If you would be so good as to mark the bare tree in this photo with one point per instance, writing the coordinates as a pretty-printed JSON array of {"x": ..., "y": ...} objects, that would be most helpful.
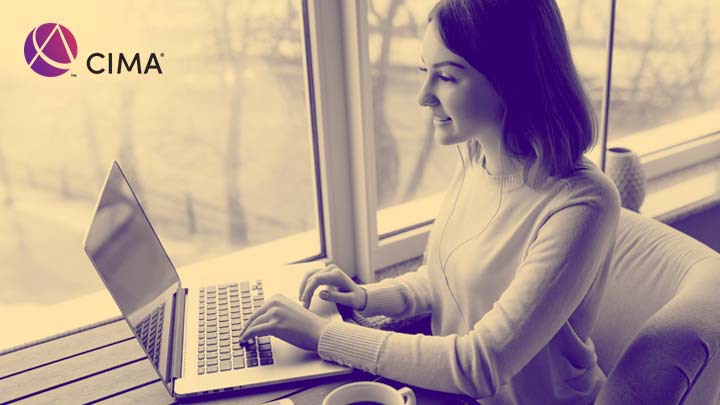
[
  {"x": 410, "y": 29},
  {"x": 386, "y": 156},
  {"x": 285, "y": 67},
  {"x": 647, "y": 47},
  {"x": 126, "y": 146},
  {"x": 420, "y": 166},
  {"x": 5, "y": 177},
  {"x": 697, "y": 70},
  {"x": 656, "y": 94},
  {"x": 232, "y": 52},
  {"x": 97, "y": 166}
]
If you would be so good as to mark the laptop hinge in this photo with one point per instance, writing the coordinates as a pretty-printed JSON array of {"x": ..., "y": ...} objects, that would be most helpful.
[{"x": 178, "y": 333}]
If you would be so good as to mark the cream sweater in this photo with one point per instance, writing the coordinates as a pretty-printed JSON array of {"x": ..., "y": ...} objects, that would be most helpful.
[{"x": 512, "y": 308}]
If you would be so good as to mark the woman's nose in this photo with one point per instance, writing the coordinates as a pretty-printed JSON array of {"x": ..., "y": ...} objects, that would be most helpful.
[{"x": 426, "y": 97}]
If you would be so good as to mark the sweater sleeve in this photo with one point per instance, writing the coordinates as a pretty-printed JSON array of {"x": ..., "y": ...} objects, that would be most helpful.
[
  {"x": 400, "y": 297},
  {"x": 560, "y": 265}
]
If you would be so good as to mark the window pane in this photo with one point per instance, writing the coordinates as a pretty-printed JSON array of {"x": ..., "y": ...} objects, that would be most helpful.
[
  {"x": 665, "y": 100},
  {"x": 666, "y": 66},
  {"x": 412, "y": 169},
  {"x": 587, "y": 24},
  {"x": 410, "y": 165},
  {"x": 218, "y": 147}
]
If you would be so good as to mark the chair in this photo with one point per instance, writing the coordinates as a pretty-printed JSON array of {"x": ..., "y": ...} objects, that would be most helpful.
[{"x": 658, "y": 331}]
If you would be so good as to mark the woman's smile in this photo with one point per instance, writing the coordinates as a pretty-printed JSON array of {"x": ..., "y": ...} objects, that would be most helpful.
[{"x": 441, "y": 121}]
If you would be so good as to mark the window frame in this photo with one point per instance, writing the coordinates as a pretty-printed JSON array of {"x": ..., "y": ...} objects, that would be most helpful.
[{"x": 340, "y": 48}]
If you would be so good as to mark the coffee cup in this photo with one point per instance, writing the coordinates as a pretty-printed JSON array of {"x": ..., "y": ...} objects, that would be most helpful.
[{"x": 369, "y": 393}]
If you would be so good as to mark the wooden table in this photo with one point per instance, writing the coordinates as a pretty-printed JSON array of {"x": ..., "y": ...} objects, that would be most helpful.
[{"x": 104, "y": 363}]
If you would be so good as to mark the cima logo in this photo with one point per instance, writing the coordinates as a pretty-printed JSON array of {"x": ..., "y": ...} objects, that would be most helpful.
[{"x": 50, "y": 49}]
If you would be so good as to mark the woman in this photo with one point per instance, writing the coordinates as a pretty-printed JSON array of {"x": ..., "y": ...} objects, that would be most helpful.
[{"x": 517, "y": 260}]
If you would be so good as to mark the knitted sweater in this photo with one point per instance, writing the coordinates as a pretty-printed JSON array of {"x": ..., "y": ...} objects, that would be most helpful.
[{"x": 512, "y": 307}]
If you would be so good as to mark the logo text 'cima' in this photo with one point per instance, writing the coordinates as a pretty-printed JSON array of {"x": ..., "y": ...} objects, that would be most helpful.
[{"x": 99, "y": 67}]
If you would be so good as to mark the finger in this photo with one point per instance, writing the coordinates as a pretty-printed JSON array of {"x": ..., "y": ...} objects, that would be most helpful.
[
  {"x": 342, "y": 298},
  {"x": 259, "y": 320},
  {"x": 275, "y": 304},
  {"x": 305, "y": 278},
  {"x": 341, "y": 279},
  {"x": 311, "y": 284},
  {"x": 264, "y": 329},
  {"x": 333, "y": 278},
  {"x": 258, "y": 313}
]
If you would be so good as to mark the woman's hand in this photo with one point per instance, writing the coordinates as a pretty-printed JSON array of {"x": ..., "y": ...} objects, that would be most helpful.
[
  {"x": 287, "y": 320},
  {"x": 348, "y": 293}
]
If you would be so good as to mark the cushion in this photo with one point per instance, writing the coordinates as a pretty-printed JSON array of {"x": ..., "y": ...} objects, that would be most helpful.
[
  {"x": 650, "y": 261},
  {"x": 656, "y": 314}
]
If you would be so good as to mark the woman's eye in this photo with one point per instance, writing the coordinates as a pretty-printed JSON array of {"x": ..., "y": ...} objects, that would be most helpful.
[{"x": 442, "y": 77}]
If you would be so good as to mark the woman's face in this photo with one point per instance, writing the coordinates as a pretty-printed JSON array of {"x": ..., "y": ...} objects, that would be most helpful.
[{"x": 463, "y": 103}]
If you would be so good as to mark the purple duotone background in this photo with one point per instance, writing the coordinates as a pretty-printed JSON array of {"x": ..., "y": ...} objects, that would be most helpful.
[{"x": 54, "y": 49}]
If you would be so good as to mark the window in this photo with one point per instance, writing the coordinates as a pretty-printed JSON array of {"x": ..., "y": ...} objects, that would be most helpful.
[
  {"x": 665, "y": 100},
  {"x": 665, "y": 65},
  {"x": 218, "y": 147}
]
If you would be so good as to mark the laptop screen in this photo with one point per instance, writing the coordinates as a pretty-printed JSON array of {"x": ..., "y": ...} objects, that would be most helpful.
[{"x": 132, "y": 263}]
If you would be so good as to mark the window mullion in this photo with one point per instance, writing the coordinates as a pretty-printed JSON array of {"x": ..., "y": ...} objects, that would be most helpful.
[
  {"x": 361, "y": 134},
  {"x": 345, "y": 147},
  {"x": 603, "y": 141}
]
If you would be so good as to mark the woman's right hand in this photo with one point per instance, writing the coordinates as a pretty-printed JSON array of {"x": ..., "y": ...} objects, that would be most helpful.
[{"x": 346, "y": 292}]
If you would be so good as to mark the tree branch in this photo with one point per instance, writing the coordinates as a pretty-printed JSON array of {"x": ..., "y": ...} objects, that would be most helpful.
[{"x": 374, "y": 12}]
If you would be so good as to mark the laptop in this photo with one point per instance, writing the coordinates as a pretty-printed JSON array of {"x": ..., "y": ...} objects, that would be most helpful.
[{"x": 190, "y": 331}]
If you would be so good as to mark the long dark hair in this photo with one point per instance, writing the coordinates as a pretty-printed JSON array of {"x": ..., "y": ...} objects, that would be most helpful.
[{"x": 521, "y": 47}]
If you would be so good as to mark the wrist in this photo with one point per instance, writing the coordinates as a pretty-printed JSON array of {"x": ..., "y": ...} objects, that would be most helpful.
[
  {"x": 320, "y": 328},
  {"x": 364, "y": 300}
]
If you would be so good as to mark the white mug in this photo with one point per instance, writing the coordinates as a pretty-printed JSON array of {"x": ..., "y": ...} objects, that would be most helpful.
[{"x": 369, "y": 392}]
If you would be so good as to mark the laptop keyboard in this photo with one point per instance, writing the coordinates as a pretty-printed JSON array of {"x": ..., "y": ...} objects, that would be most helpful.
[
  {"x": 223, "y": 311},
  {"x": 149, "y": 330}
]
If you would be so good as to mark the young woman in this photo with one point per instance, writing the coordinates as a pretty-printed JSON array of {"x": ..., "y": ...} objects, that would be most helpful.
[{"x": 517, "y": 260}]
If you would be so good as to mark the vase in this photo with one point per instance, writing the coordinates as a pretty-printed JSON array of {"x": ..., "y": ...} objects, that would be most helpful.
[{"x": 623, "y": 166}]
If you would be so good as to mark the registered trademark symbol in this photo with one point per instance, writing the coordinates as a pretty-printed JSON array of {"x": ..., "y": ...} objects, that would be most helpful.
[{"x": 162, "y": 54}]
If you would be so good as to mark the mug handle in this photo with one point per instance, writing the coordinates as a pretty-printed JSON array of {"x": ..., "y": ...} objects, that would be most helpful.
[{"x": 408, "y": 395}]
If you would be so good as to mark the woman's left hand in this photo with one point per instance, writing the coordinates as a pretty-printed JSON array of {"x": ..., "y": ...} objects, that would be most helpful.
[{"x": 287, "y": 320}]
